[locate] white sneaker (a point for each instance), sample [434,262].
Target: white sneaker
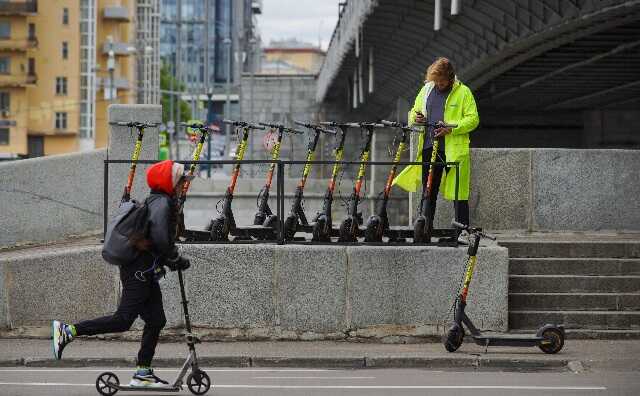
[463,238]
[144,378]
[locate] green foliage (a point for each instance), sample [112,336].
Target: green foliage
[169,83]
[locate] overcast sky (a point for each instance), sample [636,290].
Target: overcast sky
[306,20]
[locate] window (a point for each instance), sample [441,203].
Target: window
[4,136]
[61,85]
[5,101]
[32,31]
[5,65]
[61,120]
[5,29]
[65,16]
[65,50]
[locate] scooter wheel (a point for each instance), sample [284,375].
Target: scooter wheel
[216,229]
[107,384]
[271,222]
[320,233]
[198,382]
[346,234]
[453,339]
[419,232]
[371,233]
[290,226]
[553,340]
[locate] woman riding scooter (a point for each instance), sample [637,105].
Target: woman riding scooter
[141,295]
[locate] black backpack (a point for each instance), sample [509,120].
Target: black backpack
[126,233]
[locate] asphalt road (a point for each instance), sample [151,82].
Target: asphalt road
[19,381]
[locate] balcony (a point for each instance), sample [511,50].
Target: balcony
[18,45]
[18,7]
[116,13]
[17,81]
[118,48]
[118,82]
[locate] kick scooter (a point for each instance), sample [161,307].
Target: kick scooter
[220,227]
[265,222]
[322,225]
[205,131]
[198,381]
[349,228]
[549,338]
[378,223]
[423,225]
[140,126]
[297,217]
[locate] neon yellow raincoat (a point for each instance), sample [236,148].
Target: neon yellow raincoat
[460,109]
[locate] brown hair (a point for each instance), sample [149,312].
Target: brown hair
[442,67]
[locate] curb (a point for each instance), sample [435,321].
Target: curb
[373,362]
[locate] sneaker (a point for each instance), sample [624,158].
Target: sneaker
[145,378]
[463,237]
[62,335]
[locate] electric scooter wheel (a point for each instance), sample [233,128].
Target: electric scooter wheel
[320,230]
[198,382]
[290,226]
[271,222]
[217,229]
[453,339]
[106,384]
[553,340]
[419,235]
[371,233]
[345,231]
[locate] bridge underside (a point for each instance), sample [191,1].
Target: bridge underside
[544,73]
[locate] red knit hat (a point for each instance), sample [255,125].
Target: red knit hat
[164,176]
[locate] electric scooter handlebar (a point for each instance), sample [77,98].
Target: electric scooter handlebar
[313,126]
[285,129]
[473,230]
[243,124]
[436,124]
[400,125]
[135,124]
[198,126]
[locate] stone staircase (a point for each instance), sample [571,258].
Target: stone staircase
[592,287]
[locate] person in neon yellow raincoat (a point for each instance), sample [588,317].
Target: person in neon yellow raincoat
[443,98]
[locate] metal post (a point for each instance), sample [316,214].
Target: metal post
[437,15]
[105,203]
[455,7]
[111,66]
[206,82]
[227,108]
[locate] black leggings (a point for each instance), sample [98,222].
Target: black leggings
[139,297]
[462,211]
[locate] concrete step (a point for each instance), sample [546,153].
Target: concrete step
[573,266]
[590,334]
[574,301]
[624,320]
[545,248]
[573,284]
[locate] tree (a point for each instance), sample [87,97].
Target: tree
[167,83]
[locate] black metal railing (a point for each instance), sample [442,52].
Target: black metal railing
[280,194]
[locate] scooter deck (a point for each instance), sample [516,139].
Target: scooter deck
[128,388]
[507,339]
[335,232]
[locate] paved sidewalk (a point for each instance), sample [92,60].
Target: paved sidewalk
[578,355]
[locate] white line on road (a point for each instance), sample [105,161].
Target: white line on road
[373,387]
[313,378]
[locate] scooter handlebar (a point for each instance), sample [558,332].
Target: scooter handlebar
[473,230]
[436,124]
[313,126]
[399,125]
[136,124]
[243,124]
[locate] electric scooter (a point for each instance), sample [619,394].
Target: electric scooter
[549,338]
[197,381]
[349,228]
[205,131]
[140,126]
[322,224]
[220,227]
[423,225]
[297,217]
[378,223]
[265,222]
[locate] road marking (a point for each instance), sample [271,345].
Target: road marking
[121,370]
[373,387]
[313,377]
